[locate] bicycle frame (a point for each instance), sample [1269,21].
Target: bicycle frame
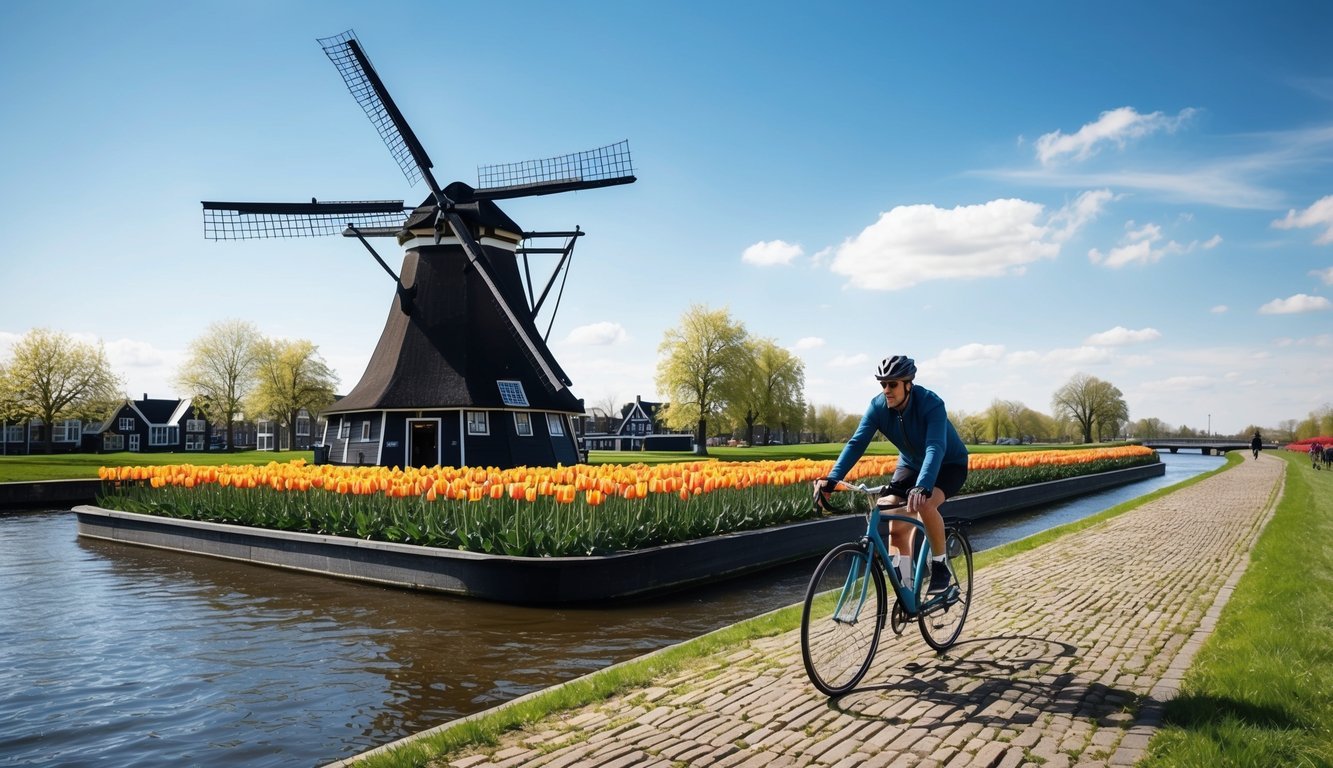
[879,551]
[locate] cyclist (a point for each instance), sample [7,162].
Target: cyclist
[932,460]
[1256,443]
[1316,454]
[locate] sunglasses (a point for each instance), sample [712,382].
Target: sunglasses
[890,384]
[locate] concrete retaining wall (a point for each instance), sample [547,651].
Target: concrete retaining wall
[546,580]
[48,494]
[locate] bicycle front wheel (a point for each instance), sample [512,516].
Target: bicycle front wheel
[844,610]
[942,620]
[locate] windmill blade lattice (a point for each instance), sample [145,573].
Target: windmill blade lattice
[601,167]
[253,221]
[345,52]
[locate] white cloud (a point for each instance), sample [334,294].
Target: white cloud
[1137,247]
[1084,355]
[809,342]
[1320,214]
[1120,336]
[1115,126]
[771,253]
[1219,309]
[597,335]
[1324,275]
[850,361]
[968,355]
[1295,305]
[912,244]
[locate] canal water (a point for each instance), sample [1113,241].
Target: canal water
[116,655]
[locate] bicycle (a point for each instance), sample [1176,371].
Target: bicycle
[846,605]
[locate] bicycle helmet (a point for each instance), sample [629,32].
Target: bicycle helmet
[898,367]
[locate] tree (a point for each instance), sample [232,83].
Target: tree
[770,390]
[220,370]
[971,426]
[52,377]
[1092,403]
[290,376]
[700,368]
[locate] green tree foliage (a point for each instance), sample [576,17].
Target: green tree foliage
[290,376]
[52,377]
[702,366]
[220,370]
[1092,403]
[771,389]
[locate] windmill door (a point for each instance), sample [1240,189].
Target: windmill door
[423,442]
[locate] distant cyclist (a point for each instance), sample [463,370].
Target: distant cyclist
[932,461]
[1256,443]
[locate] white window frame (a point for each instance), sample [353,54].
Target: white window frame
[555,425]
[194,441]
[126,424]
[134,443]
[345,430]
[67,431]
[163,434]
[303,426]
[478,422]
[523,423]
[195,425]
[365,431]
[264,441]
[113,442]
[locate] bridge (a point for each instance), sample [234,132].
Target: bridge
[1209,445]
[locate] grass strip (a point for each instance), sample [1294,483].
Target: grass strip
[485,728]
[1260,690]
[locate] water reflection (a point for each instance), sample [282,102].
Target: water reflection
[121,655]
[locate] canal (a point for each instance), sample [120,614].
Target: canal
[115,655]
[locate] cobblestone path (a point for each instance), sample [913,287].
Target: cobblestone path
[1069,653]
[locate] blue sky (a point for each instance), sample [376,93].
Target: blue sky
[1010,193]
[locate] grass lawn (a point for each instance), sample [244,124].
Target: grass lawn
[73,466]
[1260,691]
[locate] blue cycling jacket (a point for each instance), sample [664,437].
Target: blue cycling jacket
[925,438]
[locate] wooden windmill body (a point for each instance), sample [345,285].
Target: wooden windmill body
[461,376]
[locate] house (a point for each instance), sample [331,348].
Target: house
[638,429]
[270,435]
[67,436]
[156,426]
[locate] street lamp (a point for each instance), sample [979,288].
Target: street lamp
[1210,425]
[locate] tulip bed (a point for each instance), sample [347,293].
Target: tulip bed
[540,511]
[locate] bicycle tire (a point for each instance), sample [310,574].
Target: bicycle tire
[837,648]
[941,623]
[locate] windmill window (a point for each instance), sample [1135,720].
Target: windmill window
[523,424]
[511,392]
[555,425]
[477,423]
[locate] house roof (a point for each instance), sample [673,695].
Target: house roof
[457,343]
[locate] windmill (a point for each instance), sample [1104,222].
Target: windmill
[460,375]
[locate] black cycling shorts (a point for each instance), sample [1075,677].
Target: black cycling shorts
[949,480]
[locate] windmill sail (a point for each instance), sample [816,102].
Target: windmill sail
[250,221]
[601,167]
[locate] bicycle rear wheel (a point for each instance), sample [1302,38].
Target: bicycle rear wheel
[942,621]
[844,610]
